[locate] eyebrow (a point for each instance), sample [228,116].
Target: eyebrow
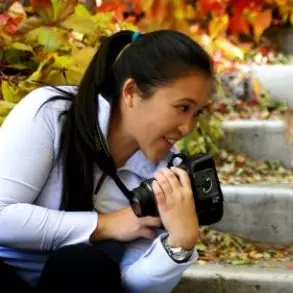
[190,101]
[195,103]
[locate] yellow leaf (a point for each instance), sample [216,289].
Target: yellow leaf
[262,22]
[81,10]
[10,94]
[81,58]
[291,18]
[55,77]
[190,12]
[5,108]
[217,25]
[281,2]
[230,51]
[2,120]
[7,91]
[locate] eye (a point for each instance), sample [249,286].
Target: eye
[184,108]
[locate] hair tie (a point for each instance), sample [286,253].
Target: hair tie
[135,36]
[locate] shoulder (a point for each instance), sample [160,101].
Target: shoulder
[41,96]
[32,112]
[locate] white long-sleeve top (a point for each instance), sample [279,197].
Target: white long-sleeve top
[31,223]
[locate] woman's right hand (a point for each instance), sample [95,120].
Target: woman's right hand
[124,225]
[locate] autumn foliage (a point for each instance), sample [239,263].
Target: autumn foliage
[241,18]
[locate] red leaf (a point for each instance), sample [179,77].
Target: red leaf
[43,8]
[11,27]
[214,6]
[3,20]
[240,5]
[290,266]
[40,4]
[238,24]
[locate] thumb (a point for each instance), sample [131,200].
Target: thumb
[147,233]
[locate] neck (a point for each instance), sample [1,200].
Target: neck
[121,144]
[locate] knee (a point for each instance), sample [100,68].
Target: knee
[83,257]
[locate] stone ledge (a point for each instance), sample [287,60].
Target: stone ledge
[258,139]
[213,278]
[258,212]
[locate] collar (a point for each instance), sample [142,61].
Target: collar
[137,163]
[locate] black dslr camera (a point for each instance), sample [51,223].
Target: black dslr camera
[205,186]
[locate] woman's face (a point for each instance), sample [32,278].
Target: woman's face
[158,122]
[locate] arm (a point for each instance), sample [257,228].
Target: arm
[155,271]
[27,157]
[146,267]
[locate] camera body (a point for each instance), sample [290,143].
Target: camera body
[208,196]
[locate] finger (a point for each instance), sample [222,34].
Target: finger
[172,178]
[149,221]
[159,194]
[164,182]
[183,177]
[147,233]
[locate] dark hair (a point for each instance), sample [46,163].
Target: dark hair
[153,60]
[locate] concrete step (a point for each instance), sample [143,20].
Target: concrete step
[216,278]
[258,139]
[258,212]
[261,213]
[277,79]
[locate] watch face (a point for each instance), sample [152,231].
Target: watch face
[177,253]
[181,255]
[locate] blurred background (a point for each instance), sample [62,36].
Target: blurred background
[251,45]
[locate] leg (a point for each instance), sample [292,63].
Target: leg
[80,268]
[11,282]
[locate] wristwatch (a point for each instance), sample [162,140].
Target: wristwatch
[178,254]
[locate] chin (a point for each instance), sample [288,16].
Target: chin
[155,157]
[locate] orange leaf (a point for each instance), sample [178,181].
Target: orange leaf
[262,22]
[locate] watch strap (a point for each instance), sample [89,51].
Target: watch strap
[178,254]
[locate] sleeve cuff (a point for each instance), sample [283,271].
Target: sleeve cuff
[167,266]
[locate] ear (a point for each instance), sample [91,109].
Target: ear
[129,89]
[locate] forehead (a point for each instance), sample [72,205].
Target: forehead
[195,87]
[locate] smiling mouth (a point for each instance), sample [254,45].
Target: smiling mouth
[170,141]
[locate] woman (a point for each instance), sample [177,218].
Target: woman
[61,220]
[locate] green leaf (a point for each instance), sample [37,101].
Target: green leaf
[51,38]
[81,24]
[241,262]
[200,247]
[22,47]
[30,24]
[81,11]
[43,69]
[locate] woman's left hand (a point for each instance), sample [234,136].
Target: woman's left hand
[176,206]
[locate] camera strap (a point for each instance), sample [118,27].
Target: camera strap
[107,164]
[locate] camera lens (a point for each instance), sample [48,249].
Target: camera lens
[207,185]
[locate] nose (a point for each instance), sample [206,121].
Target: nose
[187,126]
